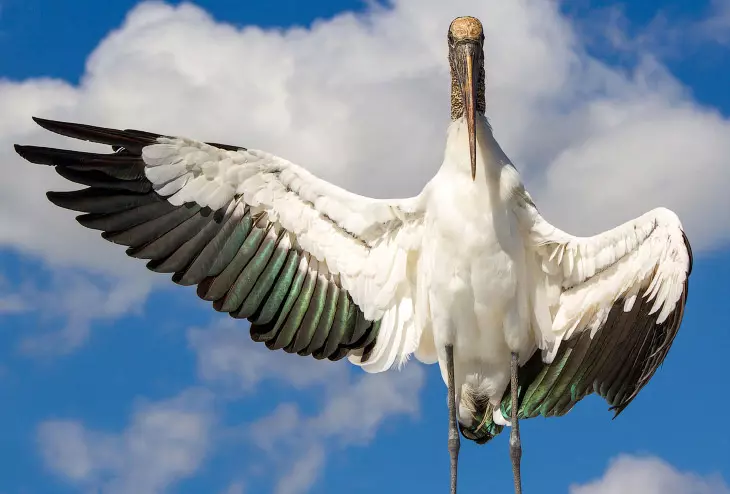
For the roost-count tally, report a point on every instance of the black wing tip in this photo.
(36, 154)
(33, 154)
(56, 126)
(102, 134)
(60, 199)
(43, 122)
(25, 152)
(617, 410)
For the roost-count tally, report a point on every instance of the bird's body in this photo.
(470, 261)
(523, 318)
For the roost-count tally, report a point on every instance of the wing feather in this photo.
(316, 269)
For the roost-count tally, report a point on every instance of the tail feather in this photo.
(536, 380)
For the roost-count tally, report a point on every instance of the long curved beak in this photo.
(466, 54)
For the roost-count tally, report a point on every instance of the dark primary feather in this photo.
(616, 364)
(243, 263)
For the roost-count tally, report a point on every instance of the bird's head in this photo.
(466, 57)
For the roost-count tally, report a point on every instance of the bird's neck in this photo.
(490, 157)
(457, 98)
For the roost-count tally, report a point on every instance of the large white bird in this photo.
(522, 318)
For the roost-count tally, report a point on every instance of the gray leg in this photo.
(515, 445)
(454, 442)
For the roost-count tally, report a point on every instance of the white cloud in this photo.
(219, 353)
(235, 488)
(351, 415)
(10, 302)
(362, 101)
(717, 24)
(165, 442)
(650, 475)
(303, 473)
(354, 404)
(76, 300)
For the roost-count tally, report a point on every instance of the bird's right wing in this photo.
(606, 310)
(316, 269)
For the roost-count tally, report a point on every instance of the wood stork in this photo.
(522, 318)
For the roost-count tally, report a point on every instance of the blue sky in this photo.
(112, 381)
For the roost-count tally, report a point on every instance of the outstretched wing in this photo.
(607, 309)
(316, 269)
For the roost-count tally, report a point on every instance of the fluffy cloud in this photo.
(235, 488)
(219, 351)
(77, 301)
(717, 25)
(11, 302)
(166, 441)
(649, 475)
(354, 404)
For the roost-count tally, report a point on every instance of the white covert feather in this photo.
(645, 257)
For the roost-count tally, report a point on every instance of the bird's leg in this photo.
(454, 442)
(515, 445)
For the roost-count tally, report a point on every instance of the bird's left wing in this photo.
(316, 269)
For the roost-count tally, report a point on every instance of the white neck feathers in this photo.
(490, 157)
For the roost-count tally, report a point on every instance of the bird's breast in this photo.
(467, 216)
(468, 240)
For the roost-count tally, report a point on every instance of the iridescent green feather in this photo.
(247, 278)
(559, 395)
(263, 285)
(232, 245)
(267, 332)
(341, 329)
(189, 250)
(325, 322)
(223, 282)
(308, 326)
(279, 292)
(298, 311)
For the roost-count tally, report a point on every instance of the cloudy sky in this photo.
(113, 381)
